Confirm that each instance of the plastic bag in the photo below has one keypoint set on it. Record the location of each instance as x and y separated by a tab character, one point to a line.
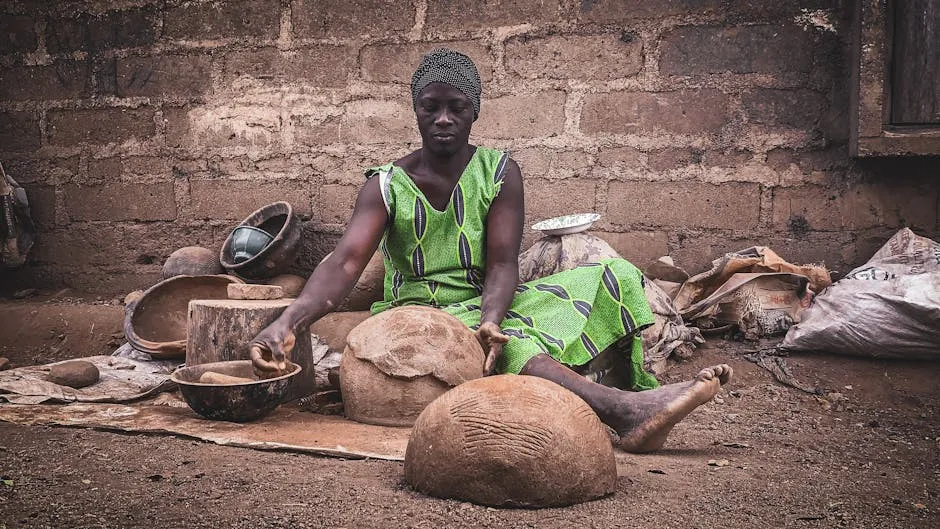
887	308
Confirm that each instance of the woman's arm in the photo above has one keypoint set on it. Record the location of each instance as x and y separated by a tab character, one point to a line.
503	237
330	282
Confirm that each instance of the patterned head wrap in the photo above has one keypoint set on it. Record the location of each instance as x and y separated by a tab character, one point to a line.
453	68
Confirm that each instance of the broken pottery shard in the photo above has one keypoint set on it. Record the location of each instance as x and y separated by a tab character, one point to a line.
246	291
511	440
74	374
400	360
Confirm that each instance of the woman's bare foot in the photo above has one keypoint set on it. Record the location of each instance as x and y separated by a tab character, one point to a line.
644	419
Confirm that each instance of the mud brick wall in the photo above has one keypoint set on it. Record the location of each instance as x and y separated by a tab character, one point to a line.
695	127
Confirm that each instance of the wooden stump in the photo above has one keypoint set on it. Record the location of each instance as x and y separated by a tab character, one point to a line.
221	330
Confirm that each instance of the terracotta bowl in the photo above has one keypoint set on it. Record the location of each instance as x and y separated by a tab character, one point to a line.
192	261
156	322
232	402
277	219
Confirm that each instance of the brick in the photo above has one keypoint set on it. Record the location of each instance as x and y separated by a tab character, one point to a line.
638	247
61	80
396	63
546	198
378	121
334	203
214	127
236	199
790	108
522	116
246	291
696	50
342	18
859	207
533	161
17	33
612	11
321	65
774	10
100	125
163	76
586	57
81	244
695	252
684	204
685	112
105	171
671	158
114	29
726	158
612	161
238	18
19	131
48	171
41	204
121	201
443	17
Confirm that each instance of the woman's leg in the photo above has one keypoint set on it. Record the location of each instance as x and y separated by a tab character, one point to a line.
642	419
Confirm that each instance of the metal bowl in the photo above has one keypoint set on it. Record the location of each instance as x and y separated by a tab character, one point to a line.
232	402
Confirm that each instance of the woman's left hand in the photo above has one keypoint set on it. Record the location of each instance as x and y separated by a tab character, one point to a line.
491	337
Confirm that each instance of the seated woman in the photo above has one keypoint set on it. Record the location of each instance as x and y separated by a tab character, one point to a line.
449	221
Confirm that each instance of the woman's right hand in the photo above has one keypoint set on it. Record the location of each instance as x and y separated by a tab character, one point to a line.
270	350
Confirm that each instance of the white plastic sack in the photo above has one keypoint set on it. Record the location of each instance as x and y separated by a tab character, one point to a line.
887	308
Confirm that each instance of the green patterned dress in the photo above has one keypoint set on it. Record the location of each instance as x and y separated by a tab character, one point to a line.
437	258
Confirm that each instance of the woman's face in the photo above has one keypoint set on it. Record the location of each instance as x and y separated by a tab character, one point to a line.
445	116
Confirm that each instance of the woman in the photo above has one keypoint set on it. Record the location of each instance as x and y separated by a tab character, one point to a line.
449	220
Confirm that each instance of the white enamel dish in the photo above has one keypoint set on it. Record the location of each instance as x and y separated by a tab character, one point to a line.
566	224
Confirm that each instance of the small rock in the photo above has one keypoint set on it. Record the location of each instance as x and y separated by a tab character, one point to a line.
4	363
920	506
74	374
246	291
25	293
718	462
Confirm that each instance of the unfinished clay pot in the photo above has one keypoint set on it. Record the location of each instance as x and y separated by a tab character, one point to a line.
511	440
192	261
292	284
335	327
369	288
156	322
74	374
398	361
277	219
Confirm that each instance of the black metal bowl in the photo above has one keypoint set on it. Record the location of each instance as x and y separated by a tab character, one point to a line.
232	402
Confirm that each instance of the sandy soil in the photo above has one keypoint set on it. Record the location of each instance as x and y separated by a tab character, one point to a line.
864	456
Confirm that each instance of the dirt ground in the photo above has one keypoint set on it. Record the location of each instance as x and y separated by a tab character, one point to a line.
865	456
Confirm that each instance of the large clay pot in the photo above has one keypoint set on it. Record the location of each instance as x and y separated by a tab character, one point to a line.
192	261
400	360
155	323
511	440
277	219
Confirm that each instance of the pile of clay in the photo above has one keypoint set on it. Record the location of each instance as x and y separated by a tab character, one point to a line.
511	441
